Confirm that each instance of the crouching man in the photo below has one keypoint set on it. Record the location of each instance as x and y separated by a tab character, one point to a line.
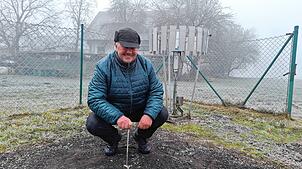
125	89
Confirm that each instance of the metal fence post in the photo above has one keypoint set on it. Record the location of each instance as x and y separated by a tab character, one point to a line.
81	65
292	71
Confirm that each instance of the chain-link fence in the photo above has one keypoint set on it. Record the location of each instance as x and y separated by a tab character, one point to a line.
40	70
236	67
297	100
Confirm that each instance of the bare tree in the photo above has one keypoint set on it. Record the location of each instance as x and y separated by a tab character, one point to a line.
15	16
80	12
210	14
168	12
129	11
232	49
229	49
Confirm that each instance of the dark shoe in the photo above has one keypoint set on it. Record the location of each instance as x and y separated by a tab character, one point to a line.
111	150
143	146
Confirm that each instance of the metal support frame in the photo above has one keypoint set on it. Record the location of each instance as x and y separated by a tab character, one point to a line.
81	65
176	59
292	71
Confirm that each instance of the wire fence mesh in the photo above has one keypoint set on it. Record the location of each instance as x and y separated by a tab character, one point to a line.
297	100
234	68
40	69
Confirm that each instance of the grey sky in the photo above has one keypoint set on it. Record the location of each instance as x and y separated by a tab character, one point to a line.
266	17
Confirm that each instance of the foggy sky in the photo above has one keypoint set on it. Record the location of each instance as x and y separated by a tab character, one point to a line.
269	18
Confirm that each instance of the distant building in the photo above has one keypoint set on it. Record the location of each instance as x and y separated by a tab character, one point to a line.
100	33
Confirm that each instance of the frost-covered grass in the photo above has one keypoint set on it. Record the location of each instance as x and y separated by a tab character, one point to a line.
36	128
39	94
269	96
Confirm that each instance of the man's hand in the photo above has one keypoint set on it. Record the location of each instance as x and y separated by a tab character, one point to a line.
145	122
124	122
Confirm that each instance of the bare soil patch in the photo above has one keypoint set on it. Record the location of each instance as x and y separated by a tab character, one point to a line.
169	150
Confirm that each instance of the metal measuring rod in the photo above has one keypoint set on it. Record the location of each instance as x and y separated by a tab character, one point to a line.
127	151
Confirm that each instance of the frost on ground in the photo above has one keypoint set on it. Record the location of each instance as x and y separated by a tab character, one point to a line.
38	94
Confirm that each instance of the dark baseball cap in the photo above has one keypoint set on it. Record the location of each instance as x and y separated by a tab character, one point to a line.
128	38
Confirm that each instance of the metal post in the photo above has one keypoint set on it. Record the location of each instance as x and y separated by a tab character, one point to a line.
174	86
165	82
81	68
174	96
176	64
169	82
292	71
127	150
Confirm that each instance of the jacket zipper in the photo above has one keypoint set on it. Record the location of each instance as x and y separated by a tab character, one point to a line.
129	77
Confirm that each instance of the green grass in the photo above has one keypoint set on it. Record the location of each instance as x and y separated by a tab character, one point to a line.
204	133
197	130
25	128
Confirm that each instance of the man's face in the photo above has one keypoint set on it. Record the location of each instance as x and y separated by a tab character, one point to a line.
127	55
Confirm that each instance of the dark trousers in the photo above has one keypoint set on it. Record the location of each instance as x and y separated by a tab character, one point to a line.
99	127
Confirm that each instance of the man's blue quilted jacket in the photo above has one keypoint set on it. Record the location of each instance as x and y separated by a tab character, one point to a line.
118	89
